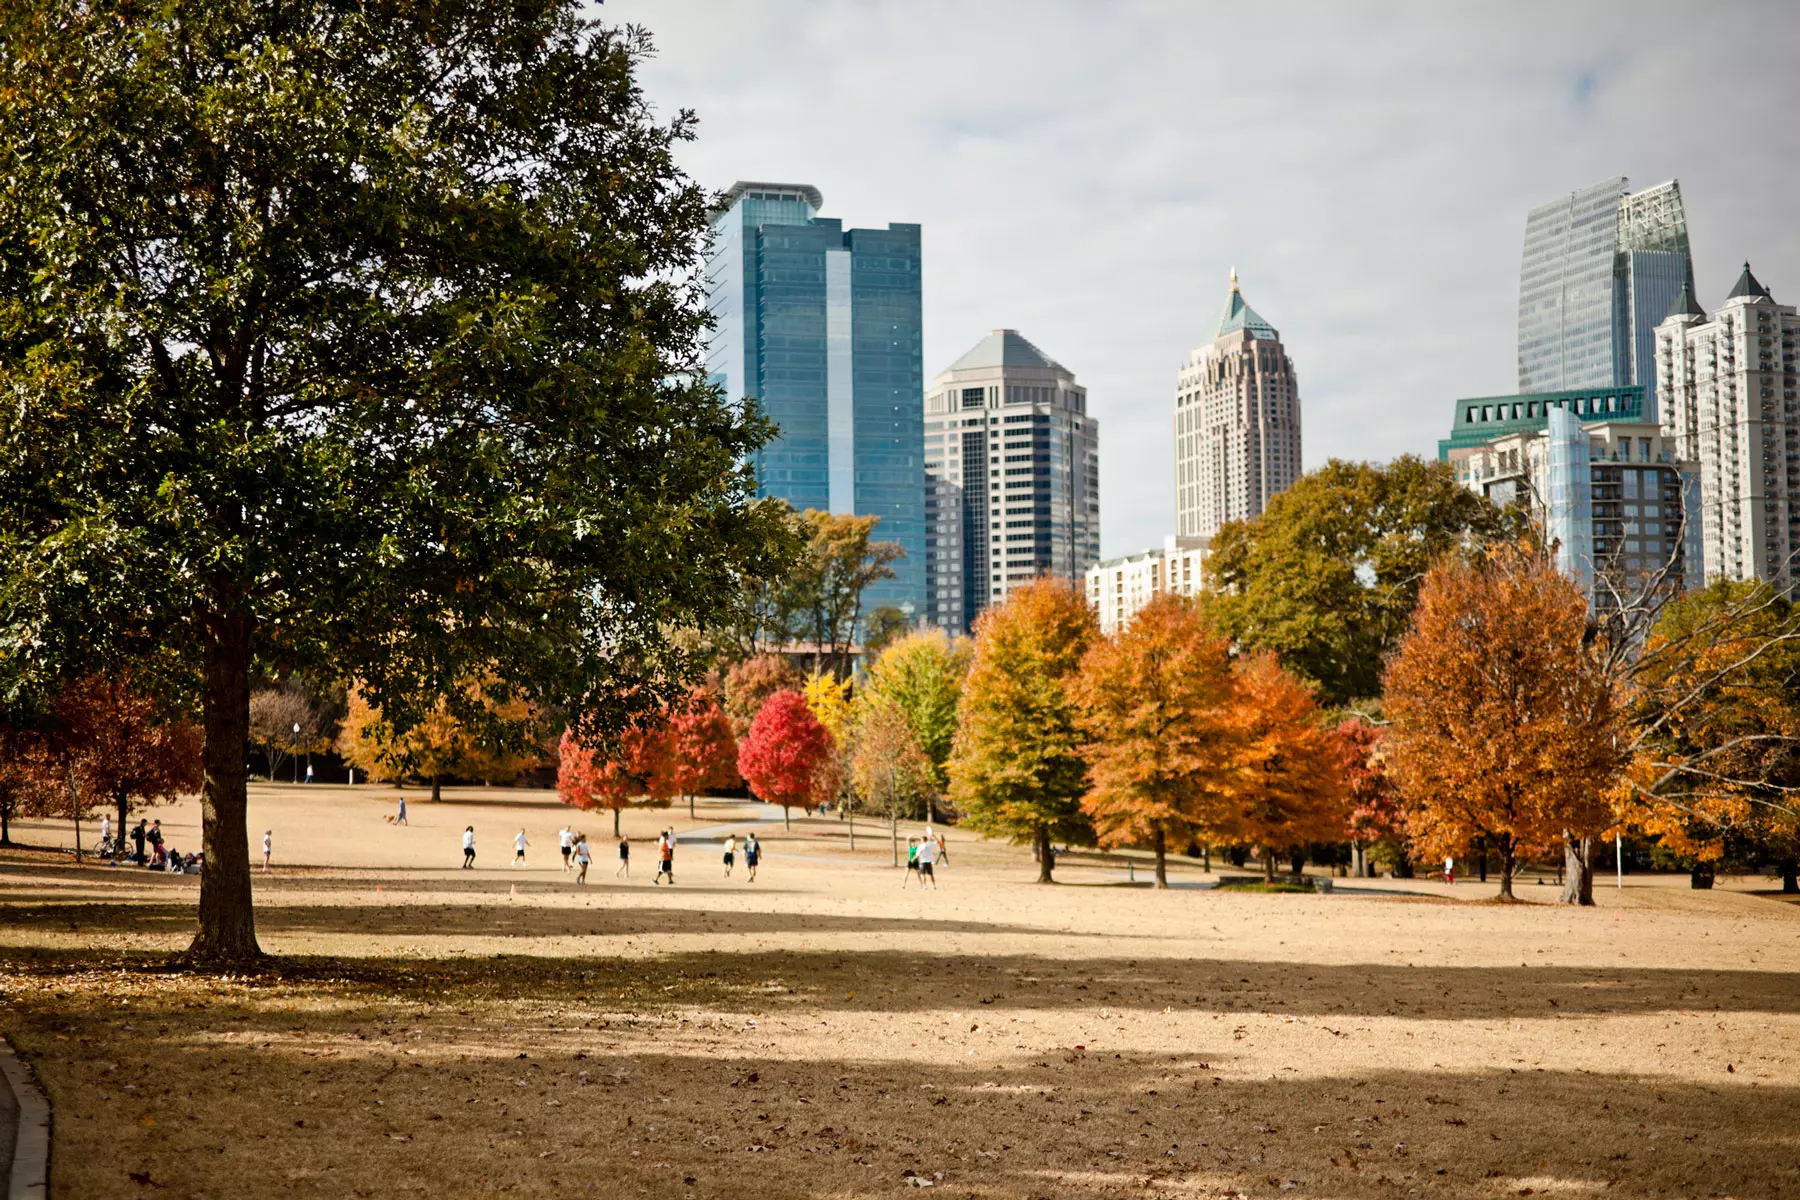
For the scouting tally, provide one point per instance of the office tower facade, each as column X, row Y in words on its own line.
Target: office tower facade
column 1237, row 423
column 1119, row 587
column 1601, row 268
column 823, row 326
column 1610, row 492
column 1729, row 384
column 1012, row 478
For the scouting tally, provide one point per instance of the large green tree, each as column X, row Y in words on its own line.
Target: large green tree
column 1328, row 575
column 1017, row 768
column 360, row 336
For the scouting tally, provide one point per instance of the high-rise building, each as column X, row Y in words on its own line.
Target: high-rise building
column 1613, row 497
column 1118, row 587
column 823, row 327
column 1012, row 478
column 1237, row 423
column 1600, row 269
column 1729, row 385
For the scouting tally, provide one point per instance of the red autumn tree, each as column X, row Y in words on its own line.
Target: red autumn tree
column 1377, row 820
column 640, row 771
column 117, row 746
column 1155, row 704
column 1288, row 782
column 703, row 749
column 786, row 753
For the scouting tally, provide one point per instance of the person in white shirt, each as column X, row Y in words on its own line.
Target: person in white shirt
column 268, row 848
column 730, row 853
column 468, row 847
column 519, row 844
column 928, row 851
column 565, row 841
column 582, row 857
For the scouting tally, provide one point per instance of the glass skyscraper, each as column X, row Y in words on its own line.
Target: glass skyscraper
column 823, row 326
column 1602, row 267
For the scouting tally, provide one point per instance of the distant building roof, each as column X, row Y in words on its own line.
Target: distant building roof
column 1747, row 286
column 801, row 191
column 1685, row 305
column 1238, row 315
column 1005, row 348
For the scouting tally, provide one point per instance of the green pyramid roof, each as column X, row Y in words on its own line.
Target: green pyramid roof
column 1238, row 315
column 1747, row 286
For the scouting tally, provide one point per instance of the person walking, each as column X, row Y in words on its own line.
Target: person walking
column 137, row 838
column 1449, row 869
column 519, row 844
column 156, row 839
column 106, row 836
column 268, row 848
column 730, row 853
column 943, row 854
column 624, row 858
column 582, row 858
column 752, row 856
column 468, row 847
column 928, row 850
column 912, row 860
column 401, row 819
column 565, row 841
column 665, row 852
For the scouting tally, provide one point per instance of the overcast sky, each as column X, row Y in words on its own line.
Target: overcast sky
column 1088, row 173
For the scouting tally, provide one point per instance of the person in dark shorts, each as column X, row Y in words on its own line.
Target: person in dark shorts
column 730, row 853
column 912, row 860
column 665, row 854
column 624, row 858
column 927, row 860
column 752, row 856
column 469, row 847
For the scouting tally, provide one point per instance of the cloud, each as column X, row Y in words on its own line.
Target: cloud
column 1088, row 173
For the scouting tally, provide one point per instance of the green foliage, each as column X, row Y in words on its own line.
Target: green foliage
column 921, row 675
column 1017, row 768
column 1328, row 575
column 362, row 338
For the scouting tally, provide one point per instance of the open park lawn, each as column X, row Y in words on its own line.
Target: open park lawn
column 825, row 1032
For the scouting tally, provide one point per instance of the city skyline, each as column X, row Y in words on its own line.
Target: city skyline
column 1373, row 187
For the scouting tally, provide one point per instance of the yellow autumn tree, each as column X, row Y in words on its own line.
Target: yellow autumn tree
column 1504, row 724
column 439, row 746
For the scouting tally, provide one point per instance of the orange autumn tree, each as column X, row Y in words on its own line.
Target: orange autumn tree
column 1504, row 724
column 1289, row 786
column 1155, row 703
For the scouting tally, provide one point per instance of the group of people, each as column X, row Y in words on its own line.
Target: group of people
column 577, row 856
column 922, row 856
column 149, row 848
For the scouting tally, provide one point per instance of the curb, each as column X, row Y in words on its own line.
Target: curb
column 30, row 1175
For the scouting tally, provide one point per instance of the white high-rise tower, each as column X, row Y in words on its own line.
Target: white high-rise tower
column 1237, row 423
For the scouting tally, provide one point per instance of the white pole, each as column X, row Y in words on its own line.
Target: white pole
column 1619, row 861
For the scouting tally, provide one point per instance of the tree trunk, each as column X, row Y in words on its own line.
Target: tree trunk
column 227, row 914
column 894, row 832
column 119, row 836
column 616, row 813
column 690, row 806
column 1358, row 860
column 437, row 788
column 1045, row 856
column 1506, row 868
column 1268, row 862
column 1790, row 877
column 1206, row 858
column 1403, row 865
column 785, row 822
column 1481, row 858
column 74, row 807
column 1298, row 858
column 1578, row 871
column 6, row 822
column 852, row 830
column 1701, row 877
column 1160, row 843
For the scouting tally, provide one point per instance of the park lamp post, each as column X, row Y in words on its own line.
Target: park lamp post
column 296, row 752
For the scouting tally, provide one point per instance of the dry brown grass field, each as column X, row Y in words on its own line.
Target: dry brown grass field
column 827, row 1031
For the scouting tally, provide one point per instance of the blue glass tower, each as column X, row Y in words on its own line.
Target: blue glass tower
column 824, row 327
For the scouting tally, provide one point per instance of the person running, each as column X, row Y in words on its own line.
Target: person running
column 582, row 858
column 624, row 858
column 665, row 852
column 943, row 854
column 519, row 844
column 928, row 850
column 138, row 837
column 401, row 819
column 912, row 860
column 468, row 847
column 268, row 848
column 752, row 856
column 565, row 841
column 730, row 853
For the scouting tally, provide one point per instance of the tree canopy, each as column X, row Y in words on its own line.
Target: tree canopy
column 362, row 337
column 1327, row 576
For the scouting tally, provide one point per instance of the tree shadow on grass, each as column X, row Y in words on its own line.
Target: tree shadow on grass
column 350, row 1092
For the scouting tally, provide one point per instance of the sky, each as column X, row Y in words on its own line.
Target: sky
column 1089, row 173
